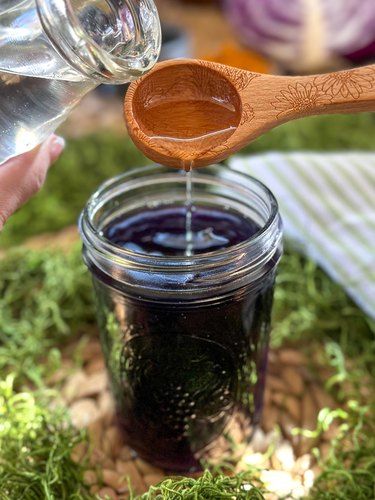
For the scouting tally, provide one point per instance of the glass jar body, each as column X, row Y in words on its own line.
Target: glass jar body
column 52, row 52
column 185, row 339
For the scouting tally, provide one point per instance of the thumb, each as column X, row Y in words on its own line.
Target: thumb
column 56, row 146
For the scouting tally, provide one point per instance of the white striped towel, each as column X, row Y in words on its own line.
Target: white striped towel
column 327, row 202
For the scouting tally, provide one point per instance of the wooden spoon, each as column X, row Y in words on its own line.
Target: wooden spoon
column 193, row 113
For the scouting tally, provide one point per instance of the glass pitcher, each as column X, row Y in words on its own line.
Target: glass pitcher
column 52, row 52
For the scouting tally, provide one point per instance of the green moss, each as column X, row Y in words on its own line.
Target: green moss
column 45, row 298
column 313, row 310
column 207, row 487
column 309, row 305
column 349, row 471
column 35, row 449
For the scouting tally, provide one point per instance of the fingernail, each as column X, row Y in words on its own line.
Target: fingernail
column 58, row 145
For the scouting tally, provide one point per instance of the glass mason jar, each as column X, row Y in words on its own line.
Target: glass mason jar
column 185, row 338
column 52, row 52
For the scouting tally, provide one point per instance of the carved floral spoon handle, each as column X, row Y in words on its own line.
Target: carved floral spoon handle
column 197, row 111
column 288, row 98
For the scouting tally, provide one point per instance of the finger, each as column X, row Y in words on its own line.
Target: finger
column 22, row 176
column 34, row 174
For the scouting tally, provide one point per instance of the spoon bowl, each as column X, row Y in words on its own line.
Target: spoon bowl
column 190, row 113
column 182, row 110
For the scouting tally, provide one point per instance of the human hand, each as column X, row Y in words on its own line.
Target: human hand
column 23, row 176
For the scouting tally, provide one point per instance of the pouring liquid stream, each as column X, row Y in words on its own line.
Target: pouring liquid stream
column 189, row 213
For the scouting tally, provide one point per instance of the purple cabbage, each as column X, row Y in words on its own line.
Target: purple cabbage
column 299, row 33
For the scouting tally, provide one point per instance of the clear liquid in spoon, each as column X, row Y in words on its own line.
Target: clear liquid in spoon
column 190, row 127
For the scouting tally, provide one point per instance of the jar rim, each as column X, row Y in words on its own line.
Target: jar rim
column 93, row 236
column 72, row 42
column 194, row 278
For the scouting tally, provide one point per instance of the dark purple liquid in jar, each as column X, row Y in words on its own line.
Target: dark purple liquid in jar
column 162, row 231
column 184, row 373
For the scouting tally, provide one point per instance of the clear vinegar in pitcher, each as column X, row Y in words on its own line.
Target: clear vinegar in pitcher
column 52, row 52
column 32, row 108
